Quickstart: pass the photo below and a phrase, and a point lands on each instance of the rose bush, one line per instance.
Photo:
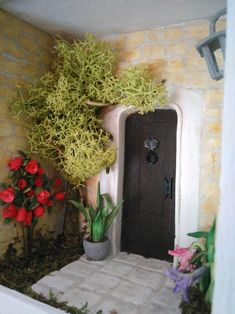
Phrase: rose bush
(30, 194)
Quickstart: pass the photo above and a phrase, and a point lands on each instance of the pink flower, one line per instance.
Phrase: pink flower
(9, 211)
(38, 181)
(57, 182)
(40, 171)
(15, 164)
(30, 193)
(39, 211)
(7, 195)
(22, 183)
(32, 167)
(28, 218)
(21, 214)
(60, 196)
(42, 197)
(184, 256)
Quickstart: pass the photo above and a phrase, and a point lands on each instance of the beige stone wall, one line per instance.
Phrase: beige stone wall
(25, 54)
(170, 53)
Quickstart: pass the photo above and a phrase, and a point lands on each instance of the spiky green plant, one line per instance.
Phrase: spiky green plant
(60, 121)
(98, 219)
(205, 256)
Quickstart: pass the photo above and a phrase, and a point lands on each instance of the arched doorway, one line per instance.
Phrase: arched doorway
(189, 108)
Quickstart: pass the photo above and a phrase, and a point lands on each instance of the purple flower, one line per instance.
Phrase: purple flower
(183, 281)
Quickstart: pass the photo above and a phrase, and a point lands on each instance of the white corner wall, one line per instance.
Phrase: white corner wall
(13, 302)
(224, 293)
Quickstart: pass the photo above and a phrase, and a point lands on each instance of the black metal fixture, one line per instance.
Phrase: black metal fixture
(213, 42)
(169, 183)
(151, 145)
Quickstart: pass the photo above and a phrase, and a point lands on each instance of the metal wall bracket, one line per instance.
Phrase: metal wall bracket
(208, 46)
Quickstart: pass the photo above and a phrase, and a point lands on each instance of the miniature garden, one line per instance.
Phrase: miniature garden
(61, 114)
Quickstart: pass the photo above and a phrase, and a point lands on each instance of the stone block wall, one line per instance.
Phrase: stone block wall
(25, 55)
(170, 54)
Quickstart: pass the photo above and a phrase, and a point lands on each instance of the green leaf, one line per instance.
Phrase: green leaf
(211, 253)
(97, 228)
(22, 153)
(107, 204)
(209, 293)
(45, 177)
(98, 198)
(33, 199)
(32, 206)
(2, 203)
(205, 281)
(3, 185)
(211, 235)
(198, 257)
(112, 215)
(26, 160)
(7, 220)
(12, 173)
(26, 190)
(198, 234)
(92, 213)
(38, 190)
(15, 187)
(80, 207)
(22, 172)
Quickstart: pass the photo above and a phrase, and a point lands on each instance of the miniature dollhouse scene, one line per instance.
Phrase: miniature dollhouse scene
(116, 167)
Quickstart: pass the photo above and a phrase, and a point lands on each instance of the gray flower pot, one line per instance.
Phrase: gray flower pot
(96, 251)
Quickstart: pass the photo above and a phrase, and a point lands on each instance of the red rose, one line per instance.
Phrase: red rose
(28, 218)
(60, 196)
(57, 182)
(49, 203)
(39, 211)
(40, 171)
(9, 211)
(21, 214)
(30, 193)
(43, 196)
(7, 195)
(32, 167)
(15, 163)
(22, 184)
(38, 181)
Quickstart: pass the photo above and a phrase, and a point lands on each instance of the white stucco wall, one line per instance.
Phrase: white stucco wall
(13, 302)
(224, 294)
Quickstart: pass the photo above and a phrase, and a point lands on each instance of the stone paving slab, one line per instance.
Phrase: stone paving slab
(124, 284)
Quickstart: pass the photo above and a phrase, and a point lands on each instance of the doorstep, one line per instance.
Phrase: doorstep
(122, 284)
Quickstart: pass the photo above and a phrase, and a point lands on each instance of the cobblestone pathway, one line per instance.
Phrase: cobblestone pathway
(124, 284)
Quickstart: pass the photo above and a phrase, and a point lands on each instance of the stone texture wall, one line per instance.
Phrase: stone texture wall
(25, 54)
(170, 53)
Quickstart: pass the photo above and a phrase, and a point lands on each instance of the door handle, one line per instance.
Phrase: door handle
(168, 190)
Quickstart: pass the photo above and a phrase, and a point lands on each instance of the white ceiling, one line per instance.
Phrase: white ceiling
(108, 17)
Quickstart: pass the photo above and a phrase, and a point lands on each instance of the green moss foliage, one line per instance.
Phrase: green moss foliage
(61, 123)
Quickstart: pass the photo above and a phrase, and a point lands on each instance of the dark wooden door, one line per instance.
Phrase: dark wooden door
(148, 221)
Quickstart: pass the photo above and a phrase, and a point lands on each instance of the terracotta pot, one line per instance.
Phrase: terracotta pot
(96, 251)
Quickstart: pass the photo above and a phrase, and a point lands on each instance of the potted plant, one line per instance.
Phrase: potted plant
(97, 222)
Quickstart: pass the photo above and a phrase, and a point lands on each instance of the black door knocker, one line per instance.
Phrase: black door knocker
(151, 156)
